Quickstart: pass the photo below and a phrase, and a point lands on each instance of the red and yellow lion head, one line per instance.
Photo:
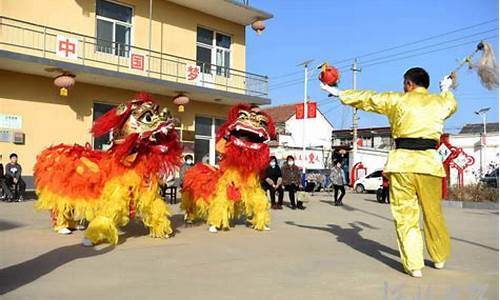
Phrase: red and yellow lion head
(242, 139)
(140, 130)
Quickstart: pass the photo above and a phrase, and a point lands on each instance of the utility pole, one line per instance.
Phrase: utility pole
(354, 70)
(482, 113)
(305, 64)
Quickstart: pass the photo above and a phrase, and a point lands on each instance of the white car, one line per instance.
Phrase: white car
(370, 183)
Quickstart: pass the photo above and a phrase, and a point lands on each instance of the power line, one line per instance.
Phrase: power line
(431, 46)
(294, 82)
(381, 60)
(290, 82)
(427, 52)
(417, 41)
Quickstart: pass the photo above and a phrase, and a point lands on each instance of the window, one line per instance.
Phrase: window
(375, 174)
(205, 129)
(213, 48)
(103, 142)
(114, 25)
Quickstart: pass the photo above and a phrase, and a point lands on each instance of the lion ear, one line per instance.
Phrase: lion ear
(121, 109)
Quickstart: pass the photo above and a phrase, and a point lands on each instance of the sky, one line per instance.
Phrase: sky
(336, 31)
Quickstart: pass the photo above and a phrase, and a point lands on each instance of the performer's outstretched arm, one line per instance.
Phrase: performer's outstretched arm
(370, 101)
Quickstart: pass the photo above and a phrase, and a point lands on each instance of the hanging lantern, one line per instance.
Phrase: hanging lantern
(258, 26)
(180, 100)
(329, 75)
(64, 82)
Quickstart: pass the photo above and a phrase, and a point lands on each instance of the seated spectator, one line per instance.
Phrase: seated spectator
(13, 178)
(273, 183)
(5, 193)
(188, 163)
(291, 181)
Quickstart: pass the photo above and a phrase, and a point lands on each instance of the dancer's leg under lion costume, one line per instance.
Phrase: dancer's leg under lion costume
(219, 195)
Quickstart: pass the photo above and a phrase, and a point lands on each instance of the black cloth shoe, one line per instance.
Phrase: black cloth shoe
(293, 207)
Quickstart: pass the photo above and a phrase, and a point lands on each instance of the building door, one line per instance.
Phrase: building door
(103, 142)
(204, 143)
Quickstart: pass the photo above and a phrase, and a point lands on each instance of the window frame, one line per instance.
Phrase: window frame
(114, 22)
(213, 47)
(211, 139)
(92, 140)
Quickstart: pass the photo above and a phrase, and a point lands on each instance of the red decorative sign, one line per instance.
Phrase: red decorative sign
(137, 62)
(66, 47)
(311, 110)
(193, 73)
(461, 162)
(299, 111)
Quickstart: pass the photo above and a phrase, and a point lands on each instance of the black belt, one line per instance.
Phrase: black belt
(415, 144)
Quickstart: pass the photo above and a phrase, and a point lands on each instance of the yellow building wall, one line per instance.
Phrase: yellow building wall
(49, 119)
(173, 26)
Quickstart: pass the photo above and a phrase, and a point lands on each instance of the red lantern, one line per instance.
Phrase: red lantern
(180, 100)
(329, 75)
(258, 26)
(64, 82)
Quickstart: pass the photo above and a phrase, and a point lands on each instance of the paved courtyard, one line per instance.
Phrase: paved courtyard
(325, 252)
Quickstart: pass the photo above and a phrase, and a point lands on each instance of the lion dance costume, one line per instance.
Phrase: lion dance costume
(108, 188)
(219, 195)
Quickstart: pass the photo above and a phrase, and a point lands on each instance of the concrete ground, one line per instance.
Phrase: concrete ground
(325, 252)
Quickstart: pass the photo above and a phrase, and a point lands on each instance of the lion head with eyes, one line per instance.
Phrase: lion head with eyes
(243, 139)
(139, 127)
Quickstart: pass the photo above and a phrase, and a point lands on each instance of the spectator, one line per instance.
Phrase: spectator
(338, 179)
(385, 188)
(273, 183)
(291, 181)
(188, 163)
(13, 172)
(5, 193)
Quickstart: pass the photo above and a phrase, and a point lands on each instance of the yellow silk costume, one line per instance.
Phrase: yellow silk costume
(414, 175)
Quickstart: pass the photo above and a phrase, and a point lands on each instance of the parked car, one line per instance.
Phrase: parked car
(490, 179)
(371, 183)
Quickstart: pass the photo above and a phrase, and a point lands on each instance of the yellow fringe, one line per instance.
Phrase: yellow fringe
(219, 210)
(112, 207)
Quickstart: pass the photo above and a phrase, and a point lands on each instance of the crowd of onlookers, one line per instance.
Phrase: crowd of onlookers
(12, 186)
(289, 178)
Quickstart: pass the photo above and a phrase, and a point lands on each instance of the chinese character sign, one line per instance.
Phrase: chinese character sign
(311, 110)
(193, 73)
(299, 111)
(137, 61)
(66, 47)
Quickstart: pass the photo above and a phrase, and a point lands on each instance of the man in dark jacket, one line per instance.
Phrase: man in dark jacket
(273, 183)
(13, 172)
(5, 193)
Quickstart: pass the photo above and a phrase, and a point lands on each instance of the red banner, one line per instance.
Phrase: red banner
(299, 111)
(311, 110)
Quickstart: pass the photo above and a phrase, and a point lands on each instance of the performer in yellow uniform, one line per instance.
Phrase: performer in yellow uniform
(414, 167)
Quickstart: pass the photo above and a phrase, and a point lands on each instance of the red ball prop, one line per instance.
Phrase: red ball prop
(329, 76)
